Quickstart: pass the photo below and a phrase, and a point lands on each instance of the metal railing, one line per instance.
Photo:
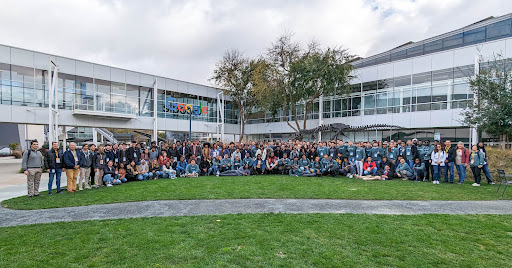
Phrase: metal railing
(103, 106)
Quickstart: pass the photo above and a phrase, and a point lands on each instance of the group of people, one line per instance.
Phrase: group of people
(112, 164)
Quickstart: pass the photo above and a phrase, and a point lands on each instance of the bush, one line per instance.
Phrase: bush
(17, 154)
(13, 146)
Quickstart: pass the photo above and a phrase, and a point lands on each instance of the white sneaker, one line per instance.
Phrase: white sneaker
(109, 185)
(434, 182)
(351, 176)
(88, 187)
(475, 184)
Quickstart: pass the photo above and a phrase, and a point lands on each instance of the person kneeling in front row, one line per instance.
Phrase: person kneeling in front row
(111, 176)
(192, 169)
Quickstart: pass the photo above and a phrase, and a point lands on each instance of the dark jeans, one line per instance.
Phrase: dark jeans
(57, 174)
(477, 174)
(450, 166)
(419, 175)
(428, 169)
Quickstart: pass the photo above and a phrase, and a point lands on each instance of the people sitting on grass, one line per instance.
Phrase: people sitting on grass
(403, 170)
(418, 170)
(155, 169)
(143, 170)
(369, 167)
(347, 168)
(181, 166)
(192, 169)
(111, 175)
(258, 165)
(168, 171)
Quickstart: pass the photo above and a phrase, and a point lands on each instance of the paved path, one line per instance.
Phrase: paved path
(13, 183)
(10, 217)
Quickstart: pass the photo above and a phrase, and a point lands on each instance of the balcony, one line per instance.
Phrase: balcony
(100, 108)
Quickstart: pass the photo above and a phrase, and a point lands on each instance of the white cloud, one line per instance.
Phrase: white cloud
(183, 39)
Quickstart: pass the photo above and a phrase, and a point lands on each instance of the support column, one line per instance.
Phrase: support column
(320, 115)
(154, 136)
(474, 129)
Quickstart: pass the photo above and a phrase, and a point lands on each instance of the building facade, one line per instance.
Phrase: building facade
(421, 86)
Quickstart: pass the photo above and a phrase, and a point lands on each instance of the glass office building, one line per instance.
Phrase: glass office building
(422, 86)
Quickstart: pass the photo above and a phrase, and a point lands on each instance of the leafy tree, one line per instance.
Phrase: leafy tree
(13, 146)
(234, 75)
(492, 109)
(290, 79)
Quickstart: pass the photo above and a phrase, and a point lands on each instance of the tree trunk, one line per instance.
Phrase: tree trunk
(294, 113)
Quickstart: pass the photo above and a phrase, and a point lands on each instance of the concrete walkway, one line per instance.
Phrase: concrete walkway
(10, 217)
(13, 183)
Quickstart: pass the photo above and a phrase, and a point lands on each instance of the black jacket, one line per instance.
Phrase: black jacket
(452, 153)
(131, 157)
(49, 159)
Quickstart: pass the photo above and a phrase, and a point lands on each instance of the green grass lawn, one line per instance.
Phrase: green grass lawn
(264, 240)
(258, 187)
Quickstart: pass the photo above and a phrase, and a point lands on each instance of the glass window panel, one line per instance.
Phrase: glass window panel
(464, 71)
(474, 36)
(422, 78)
(356, 88)
(421, 107)
(402, 81)
(398, 55)
(369, 111)
(345, 104)
(17, 94)
(440, 93)
(356, 103)
(459, 104)
(498, 30)
(422, 95)
(369, 101)
(5, 74)
(22, 74)
(382, 100)
(406, 97)
(453, 41)
(439, 106)
(132, 90)
(433, 46)
(118, 88)
(382, 110)
(394, 98)
(337, 105)
(460, 91)
(102, 86)
(6, 94)
(441, 75)
(327, 106)
(385, 83)
(370, 86)
(415, 51)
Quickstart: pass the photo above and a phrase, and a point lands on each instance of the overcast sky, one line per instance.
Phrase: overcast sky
(183, 39)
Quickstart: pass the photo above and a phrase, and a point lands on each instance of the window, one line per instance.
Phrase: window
(385, 83)
(464, 71)
(474, 36)
(422, 95)
(402, 81)
(440, 93)
(422, 78)
(369, 104)
(382, 59)
(460, 91)
(441, 75)
(415, 51)
(433, 46)
(453, 41)
(368, 86)
(356, 88)
(498, 30)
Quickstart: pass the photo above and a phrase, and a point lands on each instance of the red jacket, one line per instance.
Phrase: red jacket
(465, 156)
(369, 166)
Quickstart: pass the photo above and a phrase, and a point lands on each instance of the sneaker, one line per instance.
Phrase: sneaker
(88, 187)
(351, 176)
(37, 195)
(95, 186)
(491, 183)
(109, 185)
(475, 184)
(50, 194)
(460, 182)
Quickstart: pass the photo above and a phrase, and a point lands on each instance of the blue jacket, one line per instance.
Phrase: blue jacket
(256, 163)
(69, 159)
(182, 165)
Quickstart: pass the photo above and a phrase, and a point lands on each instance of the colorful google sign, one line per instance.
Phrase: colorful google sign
(171, 105)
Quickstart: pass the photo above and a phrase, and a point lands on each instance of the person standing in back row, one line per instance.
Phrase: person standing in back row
(32, 164)
(53, 164)
(72, 161)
